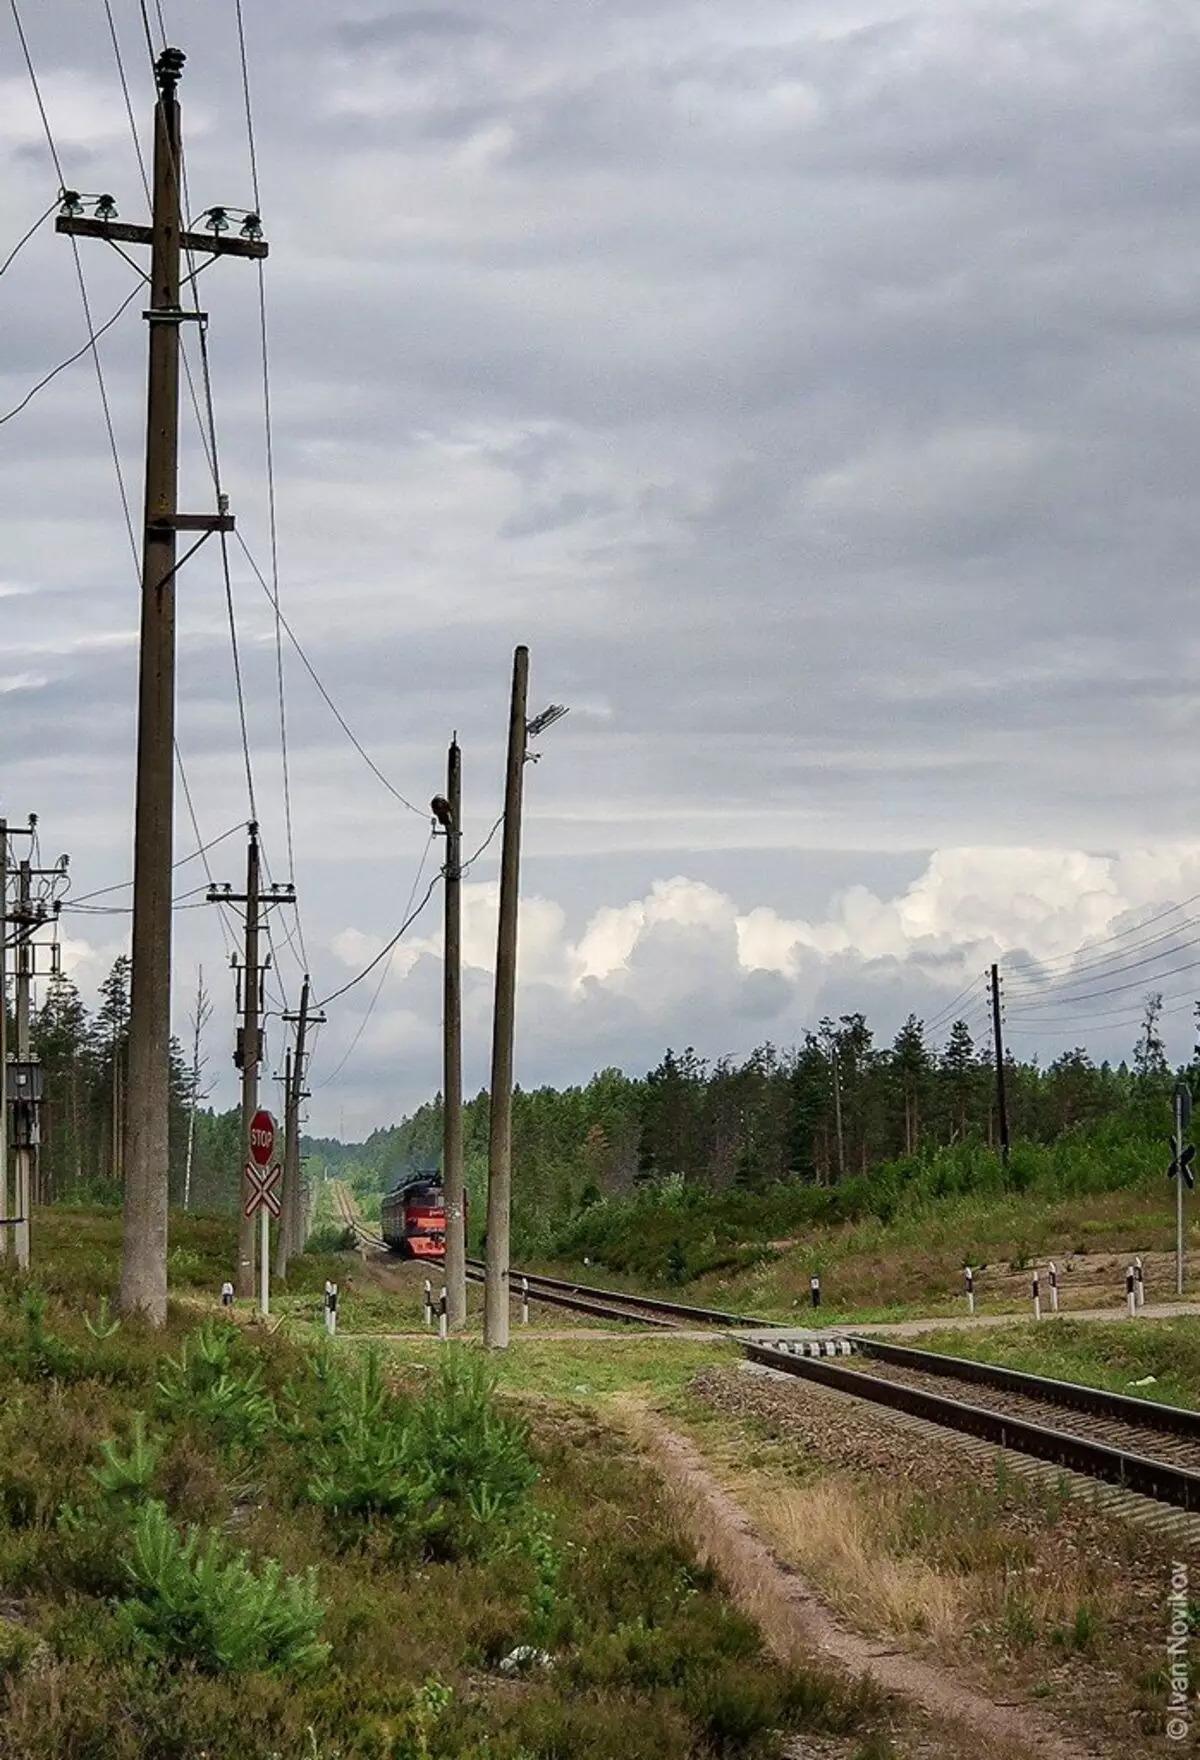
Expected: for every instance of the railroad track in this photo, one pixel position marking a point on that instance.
(1147, 1448)
(579, 1298)
(614, 1304)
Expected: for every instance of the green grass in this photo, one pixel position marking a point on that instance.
(582, 1371)
(1098, 1353)
(215, 1542)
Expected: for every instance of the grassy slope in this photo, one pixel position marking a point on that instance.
(908, 1265)
(1114, 1356)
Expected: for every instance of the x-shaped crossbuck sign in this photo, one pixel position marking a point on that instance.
(264, 1188)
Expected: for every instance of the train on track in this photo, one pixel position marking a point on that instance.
(413, 1218)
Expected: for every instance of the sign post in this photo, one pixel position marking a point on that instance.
(262, 1176)
(1181, 1170)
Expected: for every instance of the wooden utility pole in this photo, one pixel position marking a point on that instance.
(248, 1053)
(998, 1042)
(453, 1179)
(144, 1260)
(289, 1239)
(495, 1319)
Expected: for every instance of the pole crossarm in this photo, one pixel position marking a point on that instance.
(216, 243)
(282, 893)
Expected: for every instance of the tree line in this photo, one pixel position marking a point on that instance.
(84, 1057)
(833, 1108)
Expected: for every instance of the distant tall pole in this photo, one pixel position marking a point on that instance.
(24, 1156)
(250, 1060)
(147, 1087)
(144, 1262)
(290, 1238)
(495, 1324)
(998, 1041)
(453, 1182)
(200, 1020)
(4, 1209)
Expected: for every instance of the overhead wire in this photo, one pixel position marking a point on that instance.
(93, 333)
(193, 855)
(384, 951)
(16, 250)
(269, 452)
(92, 338)
(371, 1006)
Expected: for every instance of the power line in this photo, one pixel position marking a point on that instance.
(194, 855)
(329, 702)
(1083, 954)
(15, 252)
(92, 339)
(120, 60)
(384, 951)
(483, 846)
(1172, 938)
(1070, 999)
(371, 1006)
(269, 449)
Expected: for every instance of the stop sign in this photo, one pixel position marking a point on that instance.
(262, 1139)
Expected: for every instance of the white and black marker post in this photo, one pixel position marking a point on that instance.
(1053, 1270)
(427, 1303)
(1130, 1294)
(331, 1295)
(1180, 1170)
(524, 1301)
(1037, 1297)
(815, 1287)
(442, 1316)
(227, 1294)
(1140, 1276)
(970, 1279)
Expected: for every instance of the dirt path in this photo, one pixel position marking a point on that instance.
(800, 1627)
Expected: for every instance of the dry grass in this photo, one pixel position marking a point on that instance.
(1030, 1590)
(846, 1543)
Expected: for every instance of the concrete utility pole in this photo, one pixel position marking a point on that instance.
(520, 731)
(495, 1317)
(144, 1261)
(453, 1179)
(5, 1213)
(290, 1237)
(998, 1041)
(248, 1053)
(25, 1152)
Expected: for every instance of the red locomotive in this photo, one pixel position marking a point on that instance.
(413, 1218)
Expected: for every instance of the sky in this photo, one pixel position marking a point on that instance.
(811, 386)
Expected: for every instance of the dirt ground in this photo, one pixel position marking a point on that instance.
(954, 1718)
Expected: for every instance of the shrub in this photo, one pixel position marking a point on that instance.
(203, 1383)
(125, 1475)
(194, 1602)
(369, 1461)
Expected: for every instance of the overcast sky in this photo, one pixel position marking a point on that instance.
(811, 385)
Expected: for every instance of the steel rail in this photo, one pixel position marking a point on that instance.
(1155, 1479)
(655, 1304)
(1147, 1414)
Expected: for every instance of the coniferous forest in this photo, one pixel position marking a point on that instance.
(840, 1123)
